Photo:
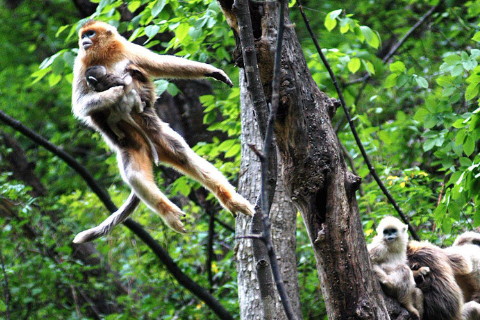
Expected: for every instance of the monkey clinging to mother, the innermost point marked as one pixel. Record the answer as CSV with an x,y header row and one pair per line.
x,y
132,136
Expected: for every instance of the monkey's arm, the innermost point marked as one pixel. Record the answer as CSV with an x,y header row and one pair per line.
x,y
91,101
167,66
377,250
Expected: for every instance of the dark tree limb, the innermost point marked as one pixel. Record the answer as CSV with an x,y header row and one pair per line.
x,y
135,227
210,252
371,168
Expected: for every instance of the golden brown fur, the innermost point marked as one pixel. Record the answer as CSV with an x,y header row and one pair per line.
x,y
442,296
100,44
388,254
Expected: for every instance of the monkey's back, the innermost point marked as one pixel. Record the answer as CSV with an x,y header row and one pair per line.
x,y
442,296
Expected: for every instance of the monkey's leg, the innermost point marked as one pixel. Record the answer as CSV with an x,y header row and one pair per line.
x,y
107,225
175,151
136,169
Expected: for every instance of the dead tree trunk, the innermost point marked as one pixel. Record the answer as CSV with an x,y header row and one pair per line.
x,y
264,305
314,172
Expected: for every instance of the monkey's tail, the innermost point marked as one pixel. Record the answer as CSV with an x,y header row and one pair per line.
x,y
108,224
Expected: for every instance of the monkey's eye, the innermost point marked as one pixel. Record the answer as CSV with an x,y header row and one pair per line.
x,y
88,34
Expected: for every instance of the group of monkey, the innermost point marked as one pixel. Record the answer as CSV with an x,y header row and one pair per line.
x,y
113,92
432,283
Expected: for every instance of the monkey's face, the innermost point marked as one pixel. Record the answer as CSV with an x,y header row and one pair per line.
x,y
390,234
95,37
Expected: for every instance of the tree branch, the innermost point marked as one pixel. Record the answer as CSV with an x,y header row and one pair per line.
x,y
265,205
353,127
398,44
135,227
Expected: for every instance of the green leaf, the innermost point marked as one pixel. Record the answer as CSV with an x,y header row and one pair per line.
x,y
172,89
134,5
390,81
460,137
429,144
469,145
476,37
182,31
421,114
422,82
354,65
151,31
370,36
331,19
158,7
471,91
334,14
397,67
369,66
161,86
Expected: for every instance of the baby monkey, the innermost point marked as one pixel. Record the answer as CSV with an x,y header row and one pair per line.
x,y
99,80
388,252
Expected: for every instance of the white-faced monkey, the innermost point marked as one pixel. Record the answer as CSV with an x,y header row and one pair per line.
x,y
388,252
101,44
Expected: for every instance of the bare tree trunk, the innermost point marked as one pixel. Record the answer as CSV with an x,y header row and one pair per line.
x,y
253,303
315,174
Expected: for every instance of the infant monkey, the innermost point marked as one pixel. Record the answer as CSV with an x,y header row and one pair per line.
x,y
99,80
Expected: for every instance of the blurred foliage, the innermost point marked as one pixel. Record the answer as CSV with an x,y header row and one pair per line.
x,y
418,117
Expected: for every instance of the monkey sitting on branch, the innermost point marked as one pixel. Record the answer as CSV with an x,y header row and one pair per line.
x,y
388,252
99,80
101,44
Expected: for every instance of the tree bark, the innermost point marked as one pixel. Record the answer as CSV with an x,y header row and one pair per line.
x,y
315,174
253,303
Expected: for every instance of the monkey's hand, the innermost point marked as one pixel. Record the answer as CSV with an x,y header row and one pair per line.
x,y
221,76
87,104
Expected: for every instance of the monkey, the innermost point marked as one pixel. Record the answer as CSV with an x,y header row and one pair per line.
x,y
471,311
101,44
443,299
464,257
388,254
99,80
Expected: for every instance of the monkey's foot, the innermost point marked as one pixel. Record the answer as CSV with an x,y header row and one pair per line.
x,y
237,203
172,219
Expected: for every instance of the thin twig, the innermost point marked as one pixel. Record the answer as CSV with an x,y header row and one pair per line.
x,y
135,227
398,44
353,128
210,254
